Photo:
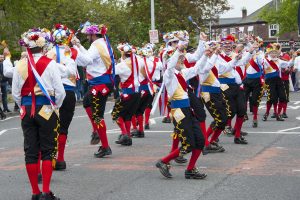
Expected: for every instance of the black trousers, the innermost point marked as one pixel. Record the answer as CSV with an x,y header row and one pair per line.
x,y
235,98
98,102
188,131
66,112
275,90
253,86
216,106
197,106
144,101
126,107
286,86
39,135
86,100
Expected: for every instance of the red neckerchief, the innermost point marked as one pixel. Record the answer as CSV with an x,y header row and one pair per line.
x,y
226,58
74,53
272,64
187,64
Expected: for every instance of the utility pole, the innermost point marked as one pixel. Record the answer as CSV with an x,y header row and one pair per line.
x,y
152,16
276,7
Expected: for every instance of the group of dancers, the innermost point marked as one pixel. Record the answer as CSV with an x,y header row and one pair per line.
x,y
220,76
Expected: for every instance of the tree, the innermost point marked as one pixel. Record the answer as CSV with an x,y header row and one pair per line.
x,y
285,16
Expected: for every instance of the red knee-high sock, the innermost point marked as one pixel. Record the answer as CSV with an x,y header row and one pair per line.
x,y
268,108
62,138
174,154
102,134
147,115
47,174
194,157
39,163
175,144
284,107
140,119
280,105
203,129
229,122
255,110
127,126
32,172
275,107
216,135
209,131
121,124
238,126
133,121
88,111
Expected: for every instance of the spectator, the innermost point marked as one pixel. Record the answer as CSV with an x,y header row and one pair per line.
x,y
4,84
297,70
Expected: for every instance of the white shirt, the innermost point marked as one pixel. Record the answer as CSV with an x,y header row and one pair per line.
x,y
95,66
259,60
68,67
297,63
8,68
280,63
158,69
51,77
170,79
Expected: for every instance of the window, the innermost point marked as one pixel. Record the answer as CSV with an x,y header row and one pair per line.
x,y
232,30
250,30
273,30
241,33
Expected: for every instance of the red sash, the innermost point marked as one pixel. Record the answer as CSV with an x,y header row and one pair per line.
x,y
226,58
74,53
215,71
254,65
240,72
187,64
273,64
182,81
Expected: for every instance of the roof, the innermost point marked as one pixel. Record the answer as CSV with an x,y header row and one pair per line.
x,y
253,18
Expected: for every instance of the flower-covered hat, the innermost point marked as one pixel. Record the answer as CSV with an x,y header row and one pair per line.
x,y
274,47
61,34
91,29
35,37
176,36
126,48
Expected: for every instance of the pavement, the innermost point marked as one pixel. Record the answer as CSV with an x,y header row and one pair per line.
x,y
267,168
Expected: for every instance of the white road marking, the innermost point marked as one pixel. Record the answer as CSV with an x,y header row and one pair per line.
x,y
296,170
289,129
10,129
8,118
298,118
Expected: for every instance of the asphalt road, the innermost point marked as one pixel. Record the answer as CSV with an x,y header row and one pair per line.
x,y
267,168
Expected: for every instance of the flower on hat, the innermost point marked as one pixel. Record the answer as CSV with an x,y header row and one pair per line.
x,y
61,34
273,47
33,38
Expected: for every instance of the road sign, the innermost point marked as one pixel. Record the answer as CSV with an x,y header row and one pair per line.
x,y
153,34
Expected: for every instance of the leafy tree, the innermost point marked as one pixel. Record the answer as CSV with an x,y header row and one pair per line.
x,y
285,16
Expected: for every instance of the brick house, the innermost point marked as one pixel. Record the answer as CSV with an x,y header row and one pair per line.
x,y
252,24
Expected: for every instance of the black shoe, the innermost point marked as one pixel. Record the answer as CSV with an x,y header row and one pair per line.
x,y
194,174
133,132
246,117
228,131
7,111
284,115
139,134
164,169
254,124
95,138
213,149
147,127
217,140
180,160
2,116
36,196
273,116
216,144
124,140
205,151
40,178
166,120
103,152
265,117
279,118
49,196
240,140
60,165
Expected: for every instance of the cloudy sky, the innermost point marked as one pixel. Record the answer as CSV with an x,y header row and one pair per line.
x,y
251,5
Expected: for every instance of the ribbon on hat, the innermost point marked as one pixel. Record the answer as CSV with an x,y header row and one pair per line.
x,y
39,81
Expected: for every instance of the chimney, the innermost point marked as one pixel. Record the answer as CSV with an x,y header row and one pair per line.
x,y
244,12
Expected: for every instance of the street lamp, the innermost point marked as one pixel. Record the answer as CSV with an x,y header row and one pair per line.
x,y
152,16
